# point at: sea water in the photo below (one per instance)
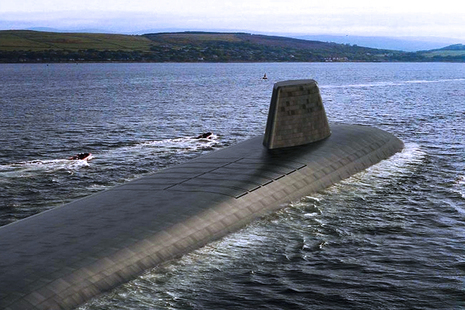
(392, 237)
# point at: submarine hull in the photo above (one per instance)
(63, 257)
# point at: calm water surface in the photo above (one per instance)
(392, 237)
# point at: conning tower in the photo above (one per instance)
(297, 115)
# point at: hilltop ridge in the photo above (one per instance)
(18, 46)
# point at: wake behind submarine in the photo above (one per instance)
(61, 258)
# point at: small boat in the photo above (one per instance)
(82, 156)
(264, 77)
(207, 135)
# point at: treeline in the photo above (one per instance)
(55, 56)
(224, 51)
(219, 51)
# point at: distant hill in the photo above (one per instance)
(35, 46)
(205, 46)
(454, 52)
(455, 47)
(28, 40)
(405, 44)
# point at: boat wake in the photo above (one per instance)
(400, 165)
(128, 154)
(161, 149)
(460, 185)
(186, 143)
(391, 83)
(35, 167)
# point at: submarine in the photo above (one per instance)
(61, 258)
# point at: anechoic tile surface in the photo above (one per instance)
(61, 258)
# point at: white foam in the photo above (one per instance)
(34, 167)
(377, 176)
(460, 185)
(394, 83)
(176, 145)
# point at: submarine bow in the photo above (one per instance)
(61, 258)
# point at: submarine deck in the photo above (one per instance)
(61, 258)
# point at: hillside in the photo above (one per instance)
(454, 53)
(455, 47)
(34, 46)
(406, 44)
(224, 47)
(25, 40)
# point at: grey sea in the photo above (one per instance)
(392, 237)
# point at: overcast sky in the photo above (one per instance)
(445, 18)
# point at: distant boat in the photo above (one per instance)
(81, 156)
(207, 135)
(264, 77)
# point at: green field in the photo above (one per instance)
(19, 40)
(444, 53)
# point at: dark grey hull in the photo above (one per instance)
(62, 258)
